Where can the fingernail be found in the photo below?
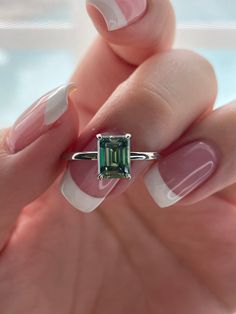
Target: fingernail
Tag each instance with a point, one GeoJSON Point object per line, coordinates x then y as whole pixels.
{"type": "Point", "coordinates": [119, 13]}
{"type": "Point", "coordinates": [80, 185]}
{"type": "Point", "coordinates": [180, 173]}
{"type": "Point", "coordinates": [39, 118]}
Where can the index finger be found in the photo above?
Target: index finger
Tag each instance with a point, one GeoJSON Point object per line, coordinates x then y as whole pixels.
{"type": "Point", "coordinates": [115, 55]}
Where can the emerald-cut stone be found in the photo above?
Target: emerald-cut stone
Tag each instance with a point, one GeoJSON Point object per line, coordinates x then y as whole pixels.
{"type": "Point", "coordinates": [114, 156]}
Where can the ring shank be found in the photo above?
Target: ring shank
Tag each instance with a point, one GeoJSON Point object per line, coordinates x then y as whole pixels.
{"type": "Point", "coordinates": [94, 156]}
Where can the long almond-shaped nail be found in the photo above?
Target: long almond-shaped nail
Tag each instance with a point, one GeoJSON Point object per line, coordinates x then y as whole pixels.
{"type": "Point", "coordinates": [39, 118]}
{"type": "Point", "coordinates": [119, 13]}
{"type": "Point", "coordinates": [80, 185]}
{"type": "Point", "coordinates": [180, 173]}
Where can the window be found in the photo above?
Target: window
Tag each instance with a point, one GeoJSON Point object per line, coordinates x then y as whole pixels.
{"type": "Point", "coordinates": [28, 54]}
{"type": "Point", "coordinates": [210, 29]}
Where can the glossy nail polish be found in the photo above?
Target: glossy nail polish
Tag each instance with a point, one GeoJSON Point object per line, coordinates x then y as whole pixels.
{"type": "Point", "coordinates": [180, 173]}
{"type": "Point", "coordinates": [80, 185]}
{"type": "Point", "coordinates": [39, 118]}
{"type": "Point", "coordinates": [119, 13]}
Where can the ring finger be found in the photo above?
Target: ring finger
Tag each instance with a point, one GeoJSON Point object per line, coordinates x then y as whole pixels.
{"type": "Point", "coordinates": [163, 97]}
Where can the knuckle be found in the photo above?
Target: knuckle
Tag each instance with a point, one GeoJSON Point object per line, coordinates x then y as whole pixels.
{"type": "Point", "coordinates": [155, 102]}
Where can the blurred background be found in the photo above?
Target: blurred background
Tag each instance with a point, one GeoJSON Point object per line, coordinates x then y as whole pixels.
{"type": "Point", "coordinates": [41, 41]}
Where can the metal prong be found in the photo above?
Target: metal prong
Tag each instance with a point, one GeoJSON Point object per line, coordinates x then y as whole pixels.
{"type": "Point", "coordinates": [128, 176]}
{"type": "Point", "coordinates": [99, 136]}
{"type": "Point", "coordinates": [128, 135]}
{"type": "Point", "coordinates": [100, 176]}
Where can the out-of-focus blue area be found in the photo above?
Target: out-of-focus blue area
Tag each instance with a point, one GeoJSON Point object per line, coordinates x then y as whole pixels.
{"type": "Point", "coordinates": [26, 75]}
{"type": "Point", "coordinates": [205, 11]}
{"type": "Point", "coordinates": [224, 62]}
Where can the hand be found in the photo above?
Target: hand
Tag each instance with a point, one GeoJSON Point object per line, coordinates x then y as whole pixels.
{"type": "Point", "coordinates": [129, 255]}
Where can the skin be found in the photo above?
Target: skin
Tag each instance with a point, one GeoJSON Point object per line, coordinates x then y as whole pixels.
{"type": "Point", "coordinates": [129, 256]}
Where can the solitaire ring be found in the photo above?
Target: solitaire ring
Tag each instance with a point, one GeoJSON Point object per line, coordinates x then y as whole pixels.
{"type": "Point", "coordinates": [113, 156]}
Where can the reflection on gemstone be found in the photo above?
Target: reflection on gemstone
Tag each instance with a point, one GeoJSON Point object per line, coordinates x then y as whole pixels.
{"type": "Point", "coordinates": [114, 157]}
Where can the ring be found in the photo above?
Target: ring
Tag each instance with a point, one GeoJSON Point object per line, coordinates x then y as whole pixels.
{"type": "Point", "coordinates": [113, 155]}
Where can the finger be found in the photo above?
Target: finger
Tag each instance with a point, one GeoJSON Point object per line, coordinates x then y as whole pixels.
{"type": "Point", "coordinates": [30, 153]}
{"type": "Point", "coordinates": [134, 29]}
{"type": "Point", "coordinates": [156, 105]}
{"type": "Point", "coordinates": [203, 167]}
{"type": "Point", "coordinates": [115, 55]}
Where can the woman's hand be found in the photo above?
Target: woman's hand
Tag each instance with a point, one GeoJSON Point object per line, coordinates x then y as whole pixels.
{"type": "Point", "coordinates": [130, 255]}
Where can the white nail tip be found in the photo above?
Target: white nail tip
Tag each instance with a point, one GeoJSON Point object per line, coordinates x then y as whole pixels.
{"type": "Point", "coordinates": [56, 103]}
{"type": "Point", "coordinates": [159, 190]}
{"type": "Point", "coordinates": [111, 12]}
{"type": "Point", "coordinates": [76, 197]}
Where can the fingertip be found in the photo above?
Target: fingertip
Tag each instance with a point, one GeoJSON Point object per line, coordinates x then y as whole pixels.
{"type": "Point", "coordinates": [46, 113]}
{"type": "Point", "coordinates": [97, 18]}
{"type": "Point", "coordinates": [113, 15]}
{"type": "Point", "coordinates": [134, 29]}
{"type": "Point", "coordinates": [76, 197]}
{"type": "Point", "coordinates": [180, 173]}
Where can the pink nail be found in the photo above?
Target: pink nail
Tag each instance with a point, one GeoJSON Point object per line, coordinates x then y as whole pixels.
{"type": "Point", "coordinates": [39, 118]}
{"type": "Point", "coordinates": [80, 185]}
{"type": "Point", "coordinates": [180, 173]}
{"type": "Point", "coordinates": [119, 13]}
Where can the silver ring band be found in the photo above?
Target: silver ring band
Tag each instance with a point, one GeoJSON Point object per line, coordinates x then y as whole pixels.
{"type": "Point", "coordinates": [113, 156]}
{"type": "Point", "coordinates": [94, 156]}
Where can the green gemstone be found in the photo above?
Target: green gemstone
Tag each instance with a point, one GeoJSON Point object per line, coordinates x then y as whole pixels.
{"type": "Point", "coordinates": [114, 157]}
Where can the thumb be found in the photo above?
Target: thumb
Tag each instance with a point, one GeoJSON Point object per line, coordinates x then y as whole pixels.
{"type": "Point", "coordinates": [30, 153]}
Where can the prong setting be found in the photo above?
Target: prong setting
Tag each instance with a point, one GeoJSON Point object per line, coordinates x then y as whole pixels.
{"type": "Point", "coordinates": [114, 156]}
{"type": "Point", "coordinates": [128, 176]}
{"type": "Point", "coordinates": [99, 136]}
{"type": "Point", "coordinates": [100, 176]}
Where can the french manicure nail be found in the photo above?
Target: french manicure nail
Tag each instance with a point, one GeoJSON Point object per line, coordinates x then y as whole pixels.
{"type": "Point", "coordinates": [39, 118]}
{"type": "Point", "coordinates": [180, 173]}
{"type": "Point", "coordinates": [80, 185]}
{"type": "Point", "coordinates": [119, 13]}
